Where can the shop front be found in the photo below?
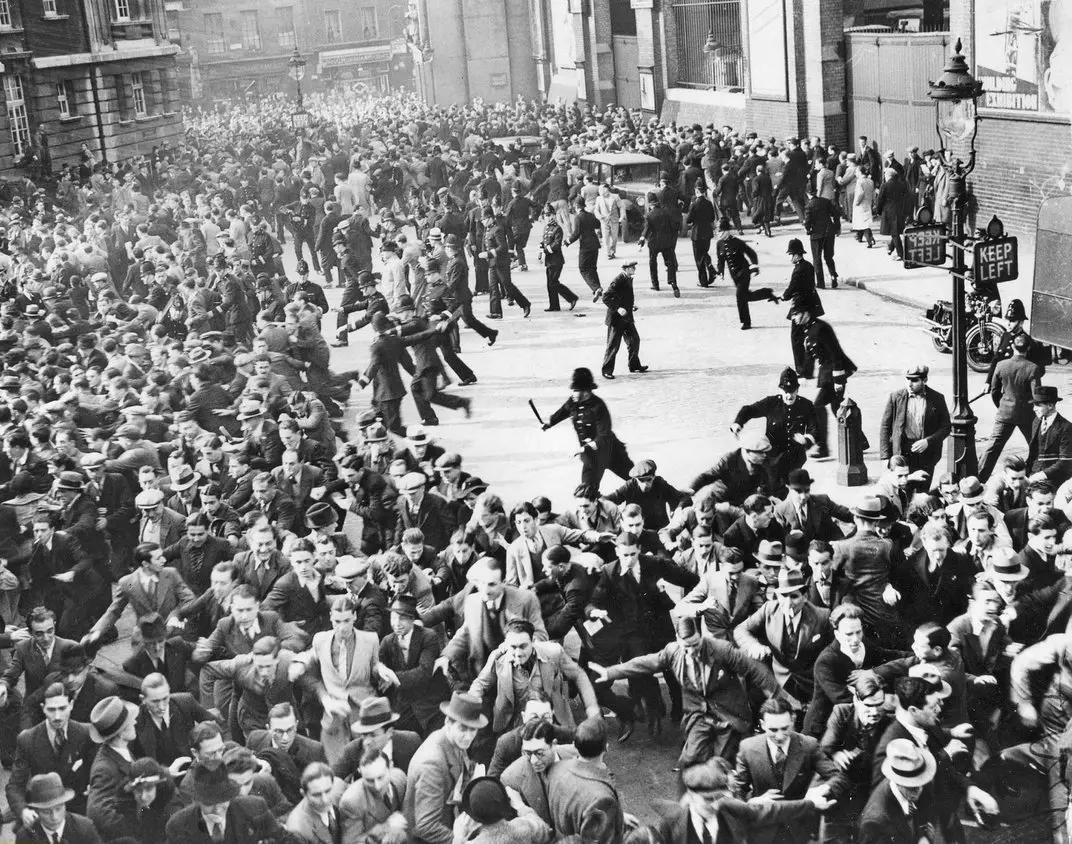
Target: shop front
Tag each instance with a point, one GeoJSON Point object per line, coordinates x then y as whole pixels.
{"type": "Point", "coordinates": [367, 69]}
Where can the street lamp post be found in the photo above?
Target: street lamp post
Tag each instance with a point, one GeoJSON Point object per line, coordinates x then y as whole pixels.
{"type": "Point", "coordinates": [296, 71]}
{"type": "Point", "coordinates": [956, 120]}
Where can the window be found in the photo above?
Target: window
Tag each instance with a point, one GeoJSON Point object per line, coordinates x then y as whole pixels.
{"type": "Point", "coordinates": [251, 31]}
{"type": "Point", "coordinates": [65, 97]}
{"type": "Point", "coordinates": [333, 21]}
{"type": "Point", "coordinates": [50, 8]}
{"type": "Point", "coordinates": [698, 67]}
{"type": "Point", "coordinates": [16, 113]}
{"type": "Point", "coordinates": [366, 22]}
{"type": "Point", "coordinates": [285, 16]}
{"type": "Point", "coordinates": [5, 14]}
{"type": "Point", "coordinates": [122, 10]}
{"type": "Point", "coordinates": [214, 38]}
{"type": "Point", "coordinates": [137, 89]}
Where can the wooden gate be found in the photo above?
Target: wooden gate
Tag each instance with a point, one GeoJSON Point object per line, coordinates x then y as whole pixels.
{"type": "Point", "coordinates": [887, 80]}
{"type": "Point", "coordinates": [626, 76]}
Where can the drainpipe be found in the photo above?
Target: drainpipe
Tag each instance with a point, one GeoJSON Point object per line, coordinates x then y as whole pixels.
{"type": "Point", "coordinates": [465, 48]}
{"type": "Point", "coordinates": [95, 88]}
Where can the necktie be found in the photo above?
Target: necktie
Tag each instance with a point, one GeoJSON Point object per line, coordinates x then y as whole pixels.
{"type": "Point", "coordinates": [216, 832]}
{"type": "Point", "coordinates": [732, 594]}
{"type": "Point", "coordinates": [779, 764]}
{"type": "Point", "coordinates": [61, 741]}
{"type": "Point", "coordinates": [389, 800]}
{"type": "Point", "coordinates": [54, 837]}
{"type": "Point", "coordinates": [802, 514]}
{"type": "Point", "coordinates": [707, 839]}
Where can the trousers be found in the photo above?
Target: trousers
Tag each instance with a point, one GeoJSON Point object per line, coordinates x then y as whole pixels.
{"type": "Point", "coordinates": [499, 283]}
{"type": "Point", "coordinates": [701, 253]}
{"type": "Point", "coordinates": [555, 288]}
{"type": "Point", "coordinates": [823, 248]}
{"type": "Point", "coordinates": [999, 435]}
{"type": "Point", "coordinates": [615, 334]}
{"type": "Point", "coordinates": [587, 260]}
{"type": "Point", "coordinates": [669, 258]}
{"type": "Point", "coordinates": [426, 393]}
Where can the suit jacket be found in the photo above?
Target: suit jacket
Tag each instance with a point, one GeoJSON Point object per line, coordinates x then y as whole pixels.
{"type": "Point", "coordinates": [262, 578]}
{"type": "Point", "coordinates": [936, 426]}
{"type": "Point", "coordinates": [171, 593]}
{"type": "Point", "coordinates": [420, 691]}
{"type": "Point", "coordinates": [309, 478]}
{"type": "Point", "coordinates": [180, 557]}
{"type": "Point", "coordinates": [1044, 611]}
{"type": "Point", "coordinates": [256, 699]}
{"type": "Point", "coordinates": [363, 810]}
{"type": "Point", "coordinates": [767, 626]}
{"type": "Point", "coordinates": [386, 357]}
{"type": "Point", "coordinates": [323, 677]}
{"type": "Point", "coordinates": [35, 754]}
{"type": "Point", "coordinates": [619, 294]}
{"type": "Point", "coordinates": [403, 746]}
{"type": "Point", "coordinates": [249, 821]}
{"type": "Point", "coordinates": [280, 509]}
{"type": "Point", "coordinates": [172, 528]}
{"type": "Point", "coordinates": [977, 661]}
{"type": "Point", "coordinates": [557, 672]}
{"type": "Point", "coordinates": [434, 518]}
{"type": "Point", "coordinates": [832, 669]}
{"type": "Point", "coordinates": [820, 515]}
{"type": "Point", "coordinates": [755, 775]}
{"type": "Point", "coordinates": [844, 731]}
{"type": "Point", "coordinates": [721, 696]}
{"type": "Point", "coordinates": [941, 596]}
{"type": "Point", "coordinates": [1011, 388]}
{"type": "Point", "coordinates": [533, 787]}
{"type": "Point", "coordinates": [77, 829]}
{"type": "Point", "coordinates": [1051, 453]}
{"type": "Point", "coordinates": [738, 822]}
{"type": "Point", "coordinates": [469, 648]}
{"type": "Point", "coordinates": [295, 604]}
{"type": "Point", "coordinates": [183, 712]}
{"type": "Point", "coordinates": [309, 827]}
{"type": "Point", "coordinates": [228, 640]}
{"type": "Point", "coordinates": [176, 659]}
{"type": "Point", "coordinates": [107, 777]}
{"type": "Point", "coordinates": [576, 790]}
{"type": "Point", "coordinates": [883, 821]}
{"type": "Point", "coordinates": [431, 785]}
{"type": "Point", "coordinates": [722, 618]}
{"type": "Point", "coordinates": [27, 661]}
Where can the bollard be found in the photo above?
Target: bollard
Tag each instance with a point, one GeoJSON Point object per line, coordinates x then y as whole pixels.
{"type": "Point", "coordinates": [851, 470]}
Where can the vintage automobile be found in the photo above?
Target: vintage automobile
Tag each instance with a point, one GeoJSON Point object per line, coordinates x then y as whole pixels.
{"type": "Point", "coordinates": [632, 175]}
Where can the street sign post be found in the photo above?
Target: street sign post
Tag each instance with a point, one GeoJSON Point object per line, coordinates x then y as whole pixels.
{"type": "Point", "coordinates": [996, 256]}
{"type": "Point", "coordinates": [924, 246]}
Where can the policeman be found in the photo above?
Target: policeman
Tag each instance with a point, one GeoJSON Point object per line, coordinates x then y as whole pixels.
{"type": "Point", "coordinates": [791, 425]}
{"type": "Point", "coordinates": [743, 264]}
{"type": "Point", "coordinates": [802, 296]}
{"type": "Point", "coordinates": [600, 448]}
{"type": "Point", "coordinates": [835, 367]}
{"type": "Point", "coordinates": [1036, 352]}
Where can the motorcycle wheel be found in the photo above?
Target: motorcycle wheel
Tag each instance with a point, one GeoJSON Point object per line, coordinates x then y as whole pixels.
{"type": "Point", "coordinates": [941, 342]}
{"type": "Point", "coordinates": [982, 342]}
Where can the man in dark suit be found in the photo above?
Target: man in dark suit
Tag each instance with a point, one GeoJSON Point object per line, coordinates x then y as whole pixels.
{"type": "Point", "coordinates": [278, 509]}
{"type": "Point", "coordinates": [661, 227]}
{"type": "Point", "coordinates": [57, 744]}
{"type": "Point", "coordinates": [620, 321]}
{"type": "Point", "coordinates": [712, 675]}
{"type": "Point", "coordinates": [113, 495]}
{"type": "Point", "coordinates": [157, 653]}
{"type": "Point", "coordinates": [746, 470]}
{"type": "Point", "coordinates": [417, 508]}
{"type": "Point", "coordinates": [710, 814]}
{"type": "Point", "coordinates": [197, 552]}
{"type": "Point", "coordinates": [581, 793]}
{"type": "Point", "coordinates": [262, 678]}
{"type": "Point", "coordinates": [85, 688]}
{"type": "Point", "coordinates": [803, 298]}
{"type": "Point", "coordinates": [387, 355]}
{"type": "Point", "coordinates": [1011, 388]}
{"type": "Point", "coordinates": [811, 514]}
{"type": "Point", "coordinates": [783, 761]}
{"type": "Point", "coordinates": [982, 640]}
{"type": "Point", "coordinates": [374, 729]}
{"type": "Point", "coordinates": [35, 658]}
{"type": "Point", "coordinates": [528, 774]}
{"type": "Point", "coordinates": [915, 423]}
{"type": "Point", "coordinates": [56, 561]}
{"type": "Point", "coordinates": [725, 597]}
{"type": "Point", "coordinates": [902, 809]}
{"type": "Point", "coordinates": [791, 632]}
{"type": "Point", "coordinates": [165, 719]}
{"type": "Point", "coordinates": [21, 471]}
{"type": "Point", "coordinates": [287, 752]}
{"type": "Point", "coordinates": [263, 565]}
{"type": "Point", "coordinates": [1038, 556]}
{"type": "Point", "coordinates": [934, 581]}
{"type": "Point", "coordinates": [822, 222]}
{"type": "Point", "coordinates": [743, 263]}
{"type": "Point", "coordinates": [1049, 454]}
{"type": "Point", "coordinates": [47, 797]}
{"type": "Point", "coordinates": [219, 814]}
{"type": "Point", "coordinates": [701, 222]}
{"type": "Point", "coordinates": [236, 633]}
{"type": "Point", "coordinates": [1038, 501]}
{"type": "Point", "coordinates": [851, 734]}
{"type": "Point", "coordinates": [298, 596]}
{"type": "Point", "coordinates": [411, 651]}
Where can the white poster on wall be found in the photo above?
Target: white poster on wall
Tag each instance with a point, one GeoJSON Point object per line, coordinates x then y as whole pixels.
{"type": "Point", "coordinates": [766, 37]}
{"type": "Point", "coordinates": [562, 35]}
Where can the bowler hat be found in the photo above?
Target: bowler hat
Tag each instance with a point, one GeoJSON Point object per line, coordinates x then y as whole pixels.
{"type": "Point", "coordinates": [375, 433]}
{"type": "Point", "coordinates": [908, 764]}
{"type": "Point", "coordinates": [466, 710]}
{"type": "Point", "coordinates": [46, 791]}
{"type": "Point", "coordinates": [209, 786]}
{"type": "Point", "coordinates": [796, 546]}
{"type": "Point", "coordinates": [374, 714]}
{"type": "Point", "coordinates": [320, 515]}
{"type": "Point", "coordinates": [109, 717]}
{"type": "Point", "coordinates": [582, 379]}
{"type": "Point", "coordinates": [789, 381]}
{"type": "Point", "coordinates": [795, 247]}
{"type": "Point", "coordinates": [799, 479]}
{"type": "Point", "coordinates": [1043, 394]}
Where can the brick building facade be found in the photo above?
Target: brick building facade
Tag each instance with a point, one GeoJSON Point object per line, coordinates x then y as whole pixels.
{"type": "Point", "coordinates": [94, 72]}
{"type": "Point", "coordinates": [241, 48]}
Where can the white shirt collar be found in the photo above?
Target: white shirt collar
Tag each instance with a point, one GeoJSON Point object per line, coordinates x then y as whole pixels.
{"type": "Point", "coordinates": [919, 736]}
{"type": "Point", "coordinates": [772, 748]}
{"type": "Point", "coordinates": [699, 824]}
{"type": "Point", "coordinates": [895, 790]}
{"type": "Point", "coordinates": [254, 630]}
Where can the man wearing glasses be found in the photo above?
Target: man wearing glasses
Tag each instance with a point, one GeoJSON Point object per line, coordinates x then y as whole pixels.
{"type": "Point", "coordinates": [915, 423]}
{"type": "Point", "coordinates": [287, 752]}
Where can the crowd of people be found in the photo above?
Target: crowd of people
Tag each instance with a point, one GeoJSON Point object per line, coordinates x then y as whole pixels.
{"type": "Point", "coordinates": [342, 634]}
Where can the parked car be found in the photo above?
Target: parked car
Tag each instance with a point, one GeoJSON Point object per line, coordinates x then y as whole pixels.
{"type": "Point", "coordinates": [631, 175]}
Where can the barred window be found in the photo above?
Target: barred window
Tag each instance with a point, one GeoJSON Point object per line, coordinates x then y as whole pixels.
{"type": "Point", "coordinates": [709, 53]}
{"type": "Point", "coordinates": [16, 112]}
{"type": "Point", "coordinates": [137, 87]}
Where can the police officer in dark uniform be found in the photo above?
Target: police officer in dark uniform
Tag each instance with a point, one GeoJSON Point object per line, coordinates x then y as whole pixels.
{"type": "Point", "coordinates": [474, 230]}
{"type": "Point", "coordinates": [743, 263]}
{"type": "Point", "coordinates": [791, 426]}
{"type": "Point", "coordinates": [802, 296]}
{"type": "Point", "coordinates": [350, 278]}
{"type": "Point", "coordinates": [620, 321]}
{"type": "Point", "coordinates": [835, 367]}
{"type": "Point", "coordinates": [1037, 353]}
{"type": "Point", "coordinates": [600, 448]}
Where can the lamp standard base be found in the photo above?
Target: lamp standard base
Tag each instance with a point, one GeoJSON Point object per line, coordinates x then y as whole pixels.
{"type": "Point", "coordinates": [963, 460]}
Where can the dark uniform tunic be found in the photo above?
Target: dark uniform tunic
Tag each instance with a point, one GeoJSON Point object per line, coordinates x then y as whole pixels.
{"type": "Point", "coordinates": [783, 421]}
{"type": "Point", "coordinates": [591, 421]}
{"type": "Point", "coordinates": [741, 259]}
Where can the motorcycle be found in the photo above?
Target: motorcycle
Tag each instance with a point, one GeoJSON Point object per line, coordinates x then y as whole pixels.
{"type": "Point", "coordinates": [984, 332]}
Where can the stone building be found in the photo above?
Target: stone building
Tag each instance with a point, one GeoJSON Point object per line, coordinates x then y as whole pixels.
{"type": "Point", "coordinates": [94, 72]}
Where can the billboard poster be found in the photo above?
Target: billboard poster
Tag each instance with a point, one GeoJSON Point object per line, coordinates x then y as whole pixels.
{"type": "Point", "coordinates": [1023, 55]}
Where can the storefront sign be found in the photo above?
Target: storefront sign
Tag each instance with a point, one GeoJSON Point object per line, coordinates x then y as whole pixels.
{"type": "Point", "coordinates": [354, 56]}
{"type": "Point", "coordinates": [1023, 55]}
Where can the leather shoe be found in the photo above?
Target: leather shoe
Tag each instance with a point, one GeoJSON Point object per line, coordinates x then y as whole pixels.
{"type": "Point", "coordinates": [468, 408]}
{"type": "Point", "coordinates": [467, 382]}
{"type": "Point", "coordinates": [677, 292]}
{"type": "Point", "coordinates": [640, 369]}
{"type": "Point", "coordinates": [573, 304]}
{"type": "Point", "coordinates": [551, 310]}
{"type": "Point", "coordinates": [608, 376]}
{"type": "Point", "coordinates": [625, 730]}
{"type": "Point", "coordinates": [527, 310]}
{"type": "Point", "coordinates": [494, 336]}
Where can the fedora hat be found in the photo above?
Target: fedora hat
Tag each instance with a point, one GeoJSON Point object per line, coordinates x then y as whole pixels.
{"type": "Point", "coordinates": [184, 478]}
{"type": "Point", "coordinates": [375, 433]}
{"type": "Point", "coordinates": [1005, 567]}
{"type": "Point", "coordinates": [320, 515]}
{"type": "Point", "coordinates": [870, 509]}
{"type": "Point", "coordinates": [908, 764]}
{"type": "Point", "coordinates": [375, 713]}
{"type": "Point", "coordinates": [770, 552]}
{"type": "Point", "coordinates": [582, 379]}
{"type": "Point", "coordinates": [74, 659]}
{"type": "Point", "coordinates": [250, 409]}
{"type": "Point", "coordinates": [109, 717]}
{"type": "Point", "coordinates": [70, 481]}
{"type": "Point", "coordinates": [1043, 394]}
{"type": "Point", "coordinates": [790, 580]}
{"type": "Point", "coordinates": [930, 673]}
{"type": "Point", "coordinates": [145, 771]}
{"type": "Point", "coordinates": [971, 490]}
{"type": "Point", "coordinates": [209, 786]}
{"type": "Point", "coordinates": [405, 605]}
{"type": "Point", "coordinates": [45, 791]}
{"type": "Point", "coordinates": [466, 710]}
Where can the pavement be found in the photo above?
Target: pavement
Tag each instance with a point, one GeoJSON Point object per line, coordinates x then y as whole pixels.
{"type": "Point", "coordinates": [703, 368]}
